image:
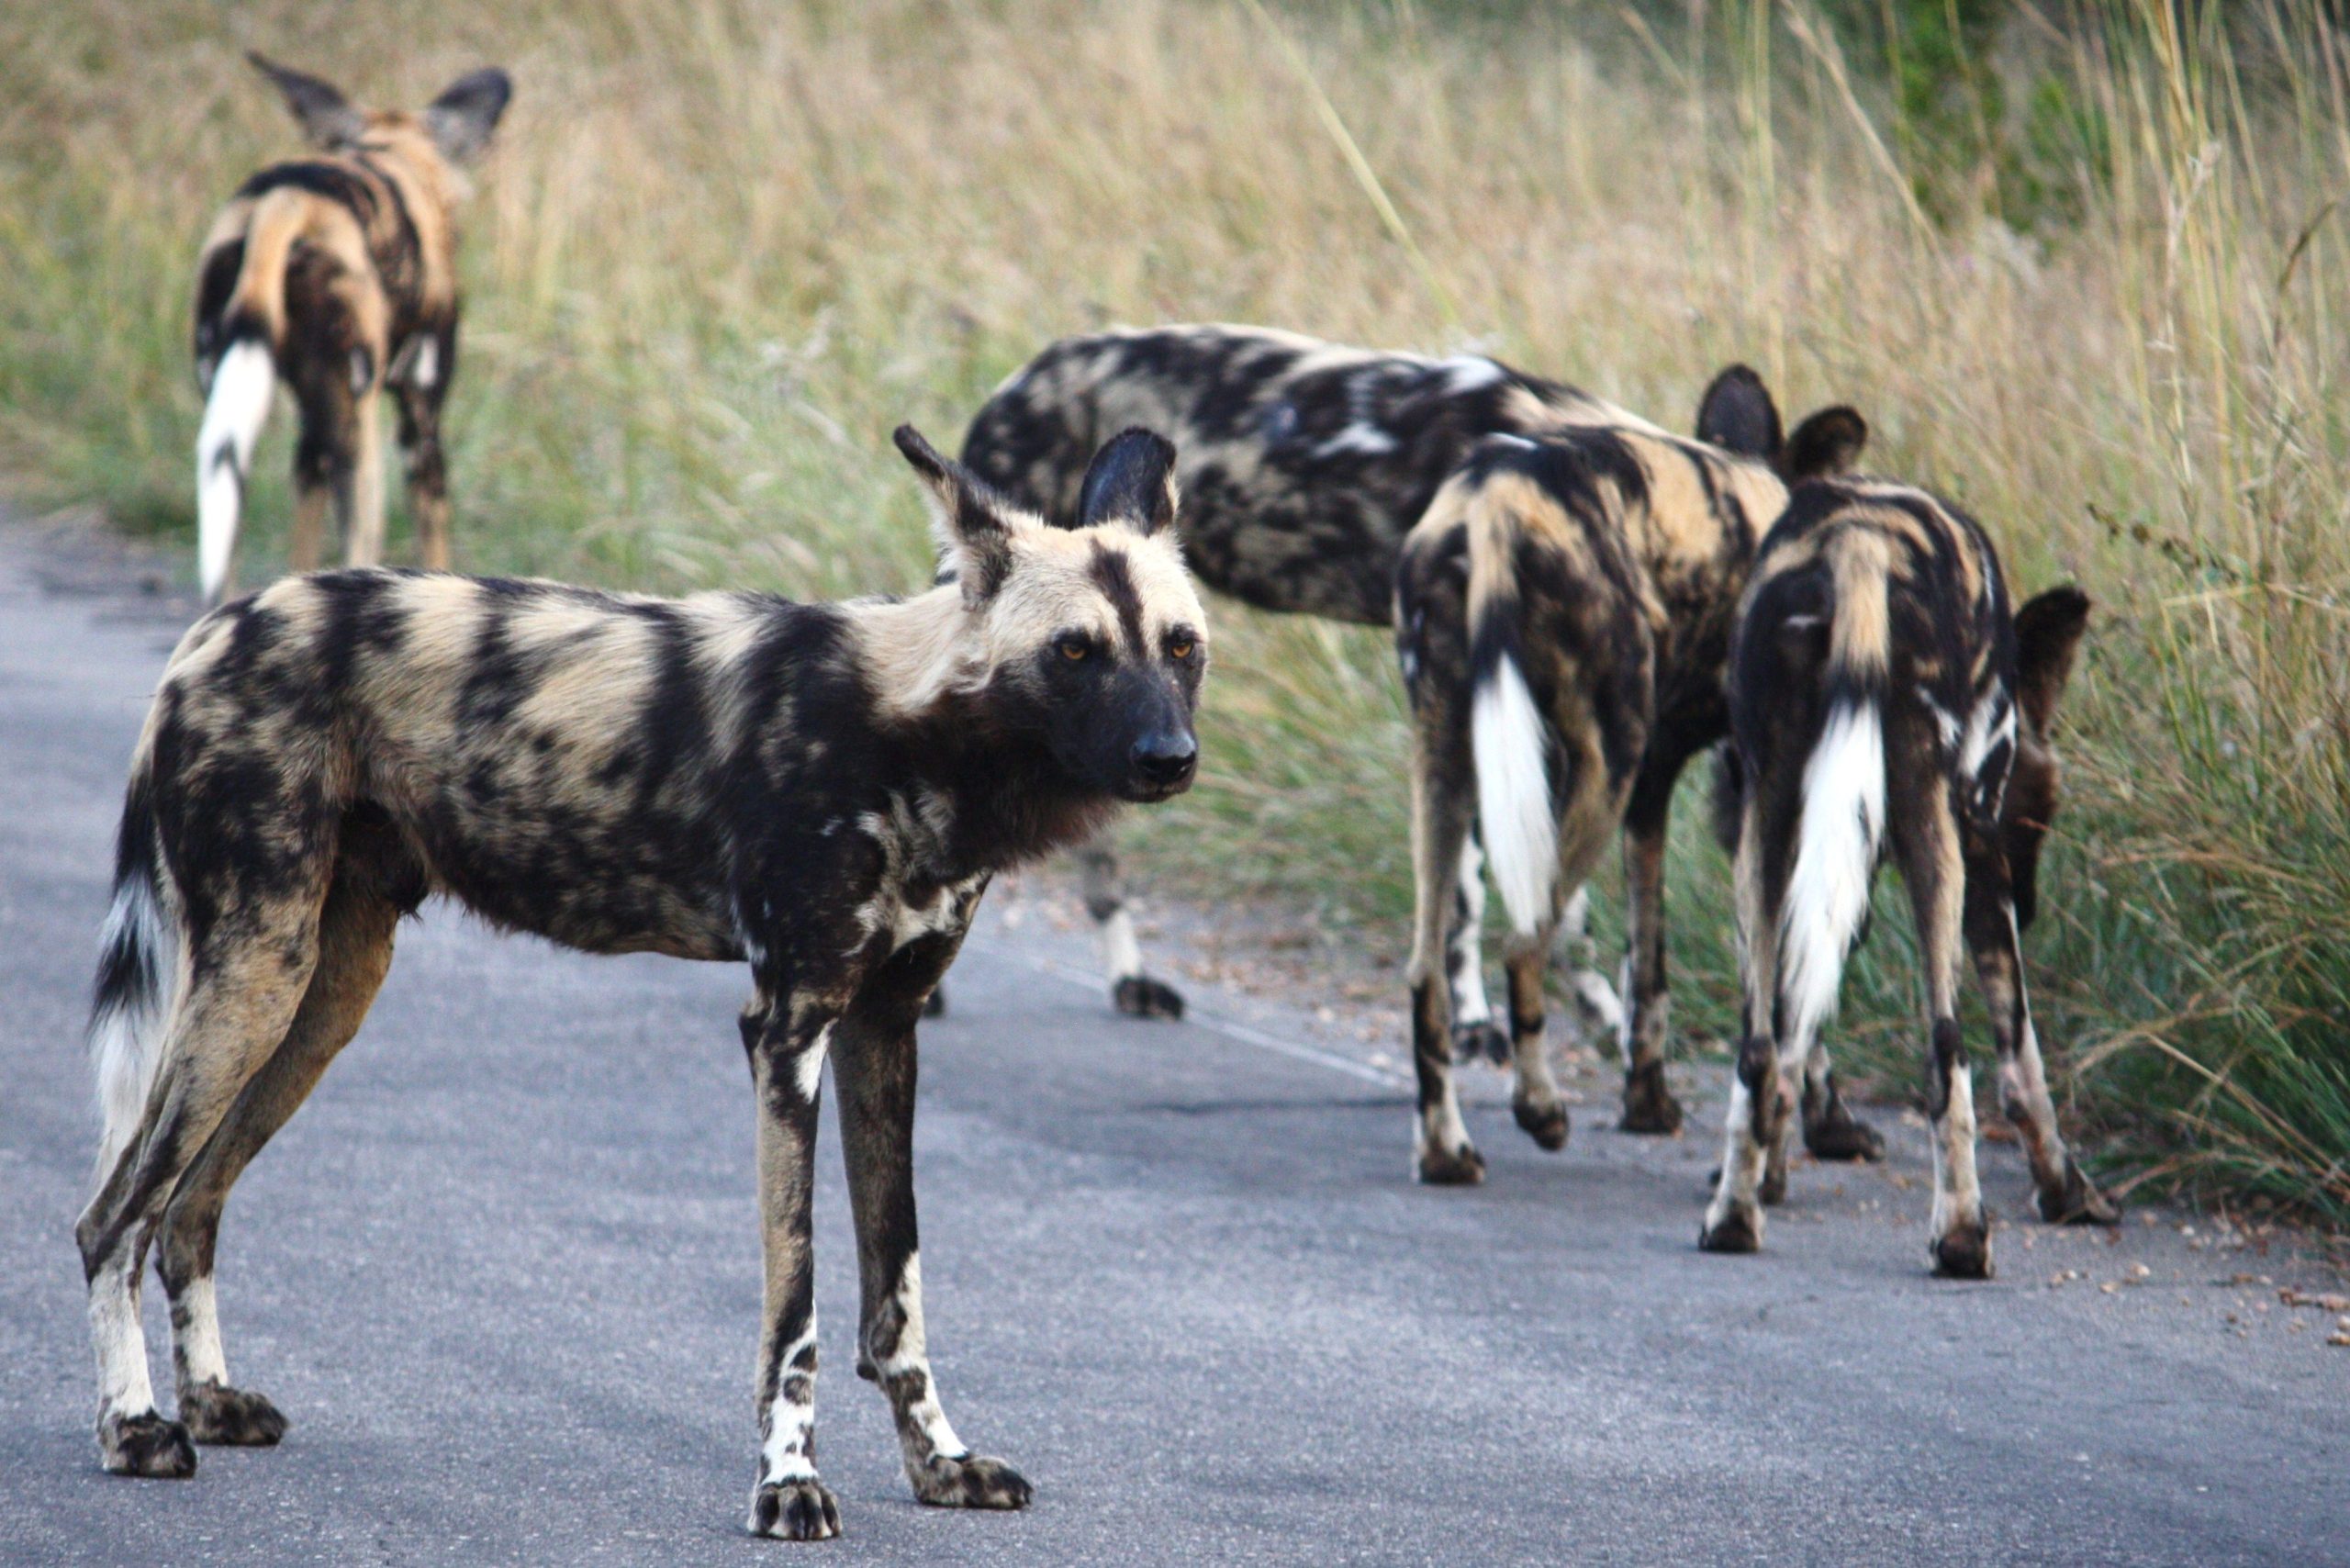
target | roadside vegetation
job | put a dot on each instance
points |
(2083, 266)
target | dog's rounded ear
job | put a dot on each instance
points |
(971, 523)
(2048, 635)
(1131, 480)
(461, 120)
(326, 118)
(1828, 441)
(1737, 415)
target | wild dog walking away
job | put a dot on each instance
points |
(338, 276)
(1563, 615)
(1886, 703)
(821, 790)
(1304, 466)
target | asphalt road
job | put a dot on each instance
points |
(502, 1275)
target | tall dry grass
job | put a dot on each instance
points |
(722, 248)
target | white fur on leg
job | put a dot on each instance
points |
(196, 1334)
(1742, 1161)
(791, 1423)
(1958, 1192)
(119, 1338)
(1121, 953)
(1442, 1130)
(1467, 965)
(912, 1355)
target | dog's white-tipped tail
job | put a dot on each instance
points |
(126, 1004)
(1515, 814)
(233, 415)
(1836, 850)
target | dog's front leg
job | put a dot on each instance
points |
(786, 1037)
(874, 1066)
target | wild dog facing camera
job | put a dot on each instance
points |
(1093, 638)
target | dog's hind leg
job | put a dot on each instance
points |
(1133, 992)
(2066, 1196)
(1473, 1034)
(359, 495)
(354, 952)
(1599, 1010)
(874, 1068)
(1926, 837)
(427, 471)
(246, 981)
(1733, 1220)
(1649, 1104)
(1441, 805)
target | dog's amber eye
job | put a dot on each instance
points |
(1179, 649)
(1074, 649)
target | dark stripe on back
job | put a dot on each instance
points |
(332, 181)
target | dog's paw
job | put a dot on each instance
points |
(146, 1445)
(1649, 1105)
(2077, 1202)
(1840, 1135)
(1463, 1167)
(1546, 1125)
(970, 1481)
(234, 1416)
(1738, 1230)
(795, 1510)
(1139, 996)
(1964, 1252)
(1480, 1041)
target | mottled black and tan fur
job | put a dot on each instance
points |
(1562, 614)
(337, 275)
(821, 790)
(1304, 464)
(1887, 704)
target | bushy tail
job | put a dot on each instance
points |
(127, 1003)
(233, 415)
(1509, 738)
(238, 338)
(1843, 791)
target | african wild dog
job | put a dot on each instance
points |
(822, 790)
(1562, 616)
(1304, 466)
(1885, 703)
(337, 275)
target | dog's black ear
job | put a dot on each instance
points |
(1131, 480)
(1828, 441)
(327, 117)
(972, 523)
(461, 120)
(1737, 415)
(2048, 635)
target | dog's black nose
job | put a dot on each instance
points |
(1165, 759)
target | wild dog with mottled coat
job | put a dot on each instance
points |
(338, 276)
(1562, 616)
(1304, 464)
(1887, 703)
(822, 790)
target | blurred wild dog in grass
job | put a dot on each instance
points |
(1887, 703)
(338, 276)
(821, 790)
(1303, 464)
(1563, 615)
